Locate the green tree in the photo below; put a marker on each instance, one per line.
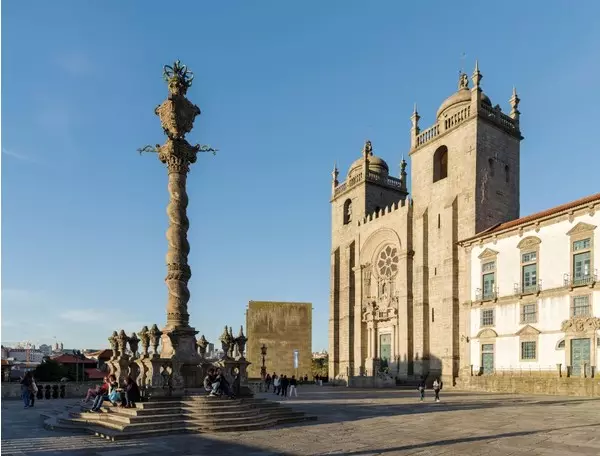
(320, 367)
(50, 371)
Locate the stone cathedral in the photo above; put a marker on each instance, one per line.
(398, 277)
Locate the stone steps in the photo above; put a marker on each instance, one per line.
(168, 416)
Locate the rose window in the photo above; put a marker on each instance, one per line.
(387, 263)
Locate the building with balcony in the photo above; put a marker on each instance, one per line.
(534, 301)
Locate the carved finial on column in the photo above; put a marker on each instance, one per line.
(334, 178)
(145, 340)
(122, 342)
(155, 334)
(476, 77)
(202, 345)
(514, 104)
(133, 341)
(414, 129)
(403, 174)
(241, 342)
(112, 340)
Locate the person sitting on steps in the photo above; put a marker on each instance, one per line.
(92, 393)
(113, 394)
(209, 380)
(132, 393)
(220, 386)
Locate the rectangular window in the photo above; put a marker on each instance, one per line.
(528, 350)
(488, 285)
(529, 277)
(529, 313)
(582, 244)
(581, 267)
(487, 317)
(581, 306)
(529, 257)
(487, 267)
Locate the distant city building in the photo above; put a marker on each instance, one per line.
(46, 349)
(320, 355)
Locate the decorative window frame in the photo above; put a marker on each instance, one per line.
(485, 257)
(530, 244)
(580, 232)
(521, 314)
(487, 309)
(572, 305)
(558, 344)
(486, 336)
(528, 334)
(581, 328)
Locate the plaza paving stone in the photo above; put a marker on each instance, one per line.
(356, 423)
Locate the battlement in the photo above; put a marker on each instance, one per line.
(385, 211)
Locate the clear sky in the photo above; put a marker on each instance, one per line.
(286, 89)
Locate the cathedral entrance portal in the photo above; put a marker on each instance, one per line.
(385, 347)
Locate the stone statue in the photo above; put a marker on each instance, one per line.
(202, 345)
(145, 340)
(226, 343)
(231, 343)
(113, 344)
(463, 81)
(241, 342)
(122, 342)
(133, 344)
(155, 334)
(368, 148)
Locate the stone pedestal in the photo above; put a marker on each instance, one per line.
(229, 366)
(179, 346)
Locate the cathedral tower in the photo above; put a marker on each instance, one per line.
(465, 179)
(368, 189)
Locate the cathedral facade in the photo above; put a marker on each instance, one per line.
(398, 274)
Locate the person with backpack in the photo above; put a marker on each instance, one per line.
(437, 386)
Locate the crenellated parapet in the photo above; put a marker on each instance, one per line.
(382, 212)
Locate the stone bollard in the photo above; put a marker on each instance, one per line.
(569, 371)
(593, 373)
(471, 370)
(559, 369)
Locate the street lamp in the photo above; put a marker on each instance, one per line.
(263, 369)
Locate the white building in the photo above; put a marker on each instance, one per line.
(535, 296)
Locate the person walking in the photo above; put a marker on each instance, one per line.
(421, 388)
(285, 382)
(276, 384)
(26, 389)
(32, 392)
(293, 387)
(437, 386)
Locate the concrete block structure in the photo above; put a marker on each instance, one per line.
(285, 328)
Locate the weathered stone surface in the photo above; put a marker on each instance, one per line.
(358, 423)
(283, 327)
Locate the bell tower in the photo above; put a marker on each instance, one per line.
(368, 188)
(465, 179)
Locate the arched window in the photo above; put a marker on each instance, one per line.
(560, 345)
(347, 211)
(507, 173)
(440, 163)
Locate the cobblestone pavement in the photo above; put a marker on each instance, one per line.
(356, 423)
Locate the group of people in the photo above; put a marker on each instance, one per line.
(29, 389)
(282, 385)
(437, 386)
(216, 384)
(117, 396)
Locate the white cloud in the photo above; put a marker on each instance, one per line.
(83, 315)
(19, 156)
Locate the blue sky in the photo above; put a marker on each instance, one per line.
(286, 89)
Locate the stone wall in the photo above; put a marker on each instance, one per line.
(13, 390)
(282, 327)
(559, 386)
(371, 382)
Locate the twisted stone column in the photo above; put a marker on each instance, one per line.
(178, 270)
